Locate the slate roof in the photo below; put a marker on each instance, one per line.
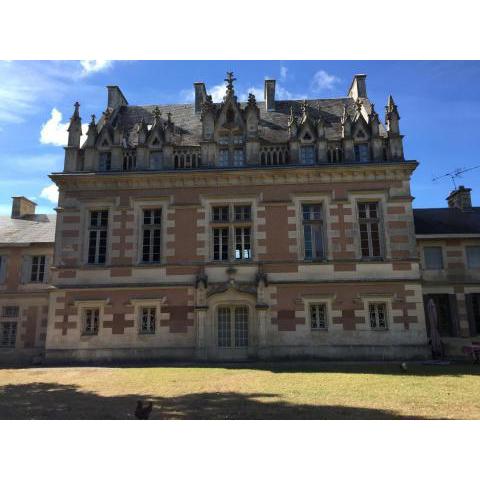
(39, 228)
(273, 125)
(441, 221)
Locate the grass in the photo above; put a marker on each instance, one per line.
(281, 390)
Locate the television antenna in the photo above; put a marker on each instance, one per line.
(455, 174)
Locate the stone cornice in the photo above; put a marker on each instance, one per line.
(245, 176)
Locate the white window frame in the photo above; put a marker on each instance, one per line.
(82, 306)
(3, 268)
(375, 304)
(3, 312)
(151, 227)
(84, 313)
(232, 309)
(45, 269)
(139, 304)
(321, 223)
(141, 313)
(2, 325)
(98, 229)
(368, 221)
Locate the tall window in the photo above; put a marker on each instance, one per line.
(369, 223)
(473, 256)
(378, 316)
(433, 258)
(147, 319)
(130, 159)
(37, 273)
(361, 152)
(8, 334)
(105, 161)
(335, 154)
(91, 319)
(232, 326)
(3, 268)
(151, 235)
(231, 222)
(156, 160)
(231, 152)
(312, 231)
(97, 237)
(307, 155)
(318, 316)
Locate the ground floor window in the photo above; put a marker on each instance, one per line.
(378, 315)
(232, 325)
(147, 319)
(444, 315)
(8, 334)
(91, 318)
(318, 316)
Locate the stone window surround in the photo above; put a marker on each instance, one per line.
(138, 206)
(324, 201)
(82, 306)
(366, 300)
(85, 210)
(210, 201)
(464, 251)
(422, 247)
(3, 267)
(381, 199)
(139, 304)
(327, 300)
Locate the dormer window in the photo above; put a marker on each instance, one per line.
(307, 155)
(156, 160)
(362, 153)
(231, 152)
(105, 161)
(129, 159)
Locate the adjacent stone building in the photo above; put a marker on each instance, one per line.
(238, 230)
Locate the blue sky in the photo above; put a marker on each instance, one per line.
(438, 101)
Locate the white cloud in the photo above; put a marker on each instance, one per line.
(324, 81)
(50, 193)
(283, 73)
(93, 66)
(217, 92)
(54, 132)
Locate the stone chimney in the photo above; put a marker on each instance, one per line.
(200, 95)
(358, 88)
(22, 206)
(460, 198)
(115, 97)
(269, 95)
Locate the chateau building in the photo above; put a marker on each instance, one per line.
(238, 230)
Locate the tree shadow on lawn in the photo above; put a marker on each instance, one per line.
(54, 401)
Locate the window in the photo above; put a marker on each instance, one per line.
(187, 158)
(232, 326)
(473, 256)
(369, 224)
(312, 231)
(307, 155)
(433, 258)
(37, 273)
(97, 237)
(378, 316)
(223, 159)
(156, 160)
(8, 334)
(10, 311)
(238, 157)
(91, 318)
(129, 159)
(335, 154)
(361, 152)
(236, 224)
(318, 316)
(147, 320)
(220, 243)
(105, 161)
(151, 235)
(3, 268)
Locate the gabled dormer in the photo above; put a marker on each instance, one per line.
(156, 135)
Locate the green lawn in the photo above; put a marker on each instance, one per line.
(283, 390)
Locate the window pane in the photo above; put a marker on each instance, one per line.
(238, 157)
(361, 152)
(224, 327)
(8, 334)
(223, 159)
(473, 256)
(318, 316)
(307, 155)
(220, 214)
(433, 258)
(241, 327)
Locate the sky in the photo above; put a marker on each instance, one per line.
(438, 102)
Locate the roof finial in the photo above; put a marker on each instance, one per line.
(230, 79)
(92, 122)
(156, 113)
